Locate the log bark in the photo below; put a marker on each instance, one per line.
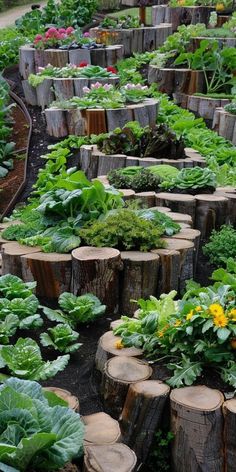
(147, 199)
(192, 235)
(177, 202)
(107, 163)
(96, 270)
(159, 14)
(227, 125)
(101, 429)
(117, 118)
(229, 410)
(165, 78)
(139, 278)
(211, 213)
(51, 271)
(96, 121)
(207, 106)
(56, 57)
(187, 259)
(115, 458)
(44, 93)
(107, 349)
(89, 161)
(162, 32)
(29, 93)
(98, 57)
(142, 414)
(64, 88)
(168, 277)
(197, 425)
(56, 122)
(197, 82)
(76, 56)
(181, 80)
(114, 54)
(26, 61)
(75, 121)
(79, 83)
(11, 257)
(189, 15)
(118, 374)
(72, 401)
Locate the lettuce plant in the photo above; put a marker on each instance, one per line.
(82, 309)
(37, 429)
(25, 310)
(24, 360)
(12, 287)
(62, 338)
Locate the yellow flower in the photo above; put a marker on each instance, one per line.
(220, 320)
(220, 7)
(119, 344)
(232, 314)
(177, 323)
(160, 334)
(198, 308)
(216, 309)
(189, 315)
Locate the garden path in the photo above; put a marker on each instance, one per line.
(7, 18)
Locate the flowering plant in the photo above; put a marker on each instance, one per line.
(135, 92)
(63, 38)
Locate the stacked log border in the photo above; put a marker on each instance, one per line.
(59, 88)
(223, 42)
(95, 163)
(180, 15)
(182, 81)
(147, 38)
(203, 106)
(31, 59)
(61, 122)
(225, 124)
(200, 419)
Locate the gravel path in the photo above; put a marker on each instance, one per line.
(7, 18)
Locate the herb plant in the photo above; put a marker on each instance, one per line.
(62, 338)
(38, 431)
(221, 246)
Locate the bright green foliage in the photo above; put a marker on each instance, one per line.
(12, 287)
(123, 22)
(62, 338)
(76, 310)
(24, 360)
(163, 221)
(124, 230)
(221, 246)
(192, 178)
(10, 41)
(231, 107)
(24, 311)
(142, 181)
(6, 148)
(38, 431)
(90, 72)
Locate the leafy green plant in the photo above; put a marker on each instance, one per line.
(123, 22)
(24, 360)
(221, 246)
(62, 338)
(159, 457)
(38, 431)
(76, 310)
(123, 229)
(231, 108)
(192, 179)
(141, 181)
(24, 310)
(6, 148)
(12, 287)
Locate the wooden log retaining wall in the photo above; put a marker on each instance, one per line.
(203, 106)
(31, 59)
(225, 124)
(177, 80)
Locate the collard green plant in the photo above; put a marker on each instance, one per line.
(62, 338)
(38, 431)
(76, 310)
(221, 246)
(24, 360)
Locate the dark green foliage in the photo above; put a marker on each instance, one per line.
(159, 458)
(141, 181)
(221, 246)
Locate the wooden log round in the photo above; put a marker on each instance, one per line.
(189, 15)
(29, 93)
(139, 278)
(51, 271)
(147, 199)
(107, 349)
(229, 410)
(181, 218)
(89, 161)
(180, 203)
(56, 57)
(11, 257)
(227, 126)
(75, 121)
(64, 88)
(56, 122)
(168, 277)
(164, 78)
(187, 258)
(211, 213)
(101, 429)
(114, 324)
(163, 31)
(192, 235)
(118, 374)
(72, 401)
(142, 414)
(96, 270)
(197, 83)
(76, 56)
(197, 425)
(231, 208)
(160, 14)
(26, 61)
(118, 117)
(44, 93)
(96, 121)
(107, 163)
(112, 457)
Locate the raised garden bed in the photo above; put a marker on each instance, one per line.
(31, 59)
(139, 40)
(195, 42)
(61, 123)
(182, 15)
(203, 106)
(170, 80)
(225, 124)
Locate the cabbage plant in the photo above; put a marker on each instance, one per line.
(62, 338)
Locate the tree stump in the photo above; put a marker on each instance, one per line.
(89, 161)
(177, 202)
(192, 235)
(118, 374)
(160, 15)
(75, 121)
(227, 125)
(115, 458)
(101, 429)
(56, 57)
(44, 93)
(64, 88)
(107, 163)
(181, 218)
(11, 257)
(51, 271)
(147, 199)
(229, 410)
(26, 61)
(142, 414)
(96, 121)
(211, 213)
(56, 122)
(139, 278)
(29, 93)
(164, 78)
(187, 258)
(117, 118)
(197, 424)
(168, 277)
(189, 15)
(76, 56)
(72, 401)
(107, 349)
(96, 270)
(197, 83)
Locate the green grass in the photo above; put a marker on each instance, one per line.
(134, 12)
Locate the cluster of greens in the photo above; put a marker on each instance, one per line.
(192, 180)
(231, 107)
(141, 179)
(38, 430)
(123, 22)
(194, 333)
(221, 246)
(6, 147)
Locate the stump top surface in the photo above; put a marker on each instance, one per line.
(231, 405)
(111, 458)
(49, 256)
(94, 253)
(127, 192)
(176, 197)
(151, 388)
(114, 324)
(100, 428)
(210, 198)
(228, 189)
(165, 252)
(15, 249)
(198, 397)
(127, 369)
(138, 256)
(180, 217)
(108, 342)
(72, 401)
(187, 233)
(146, 194)
(161, 209)
(178, 244)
